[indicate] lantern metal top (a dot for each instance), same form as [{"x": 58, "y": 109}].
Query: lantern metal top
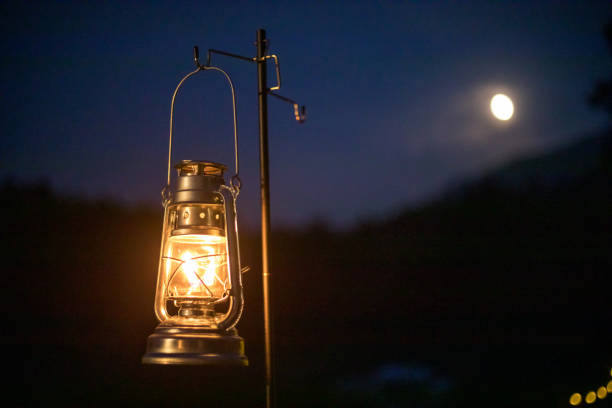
[
  {"x": 199, "y": 168},
  {"x": 197, "y": 181}
]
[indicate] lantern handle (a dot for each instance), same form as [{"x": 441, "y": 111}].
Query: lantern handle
[{"x": 235, "y": 179}]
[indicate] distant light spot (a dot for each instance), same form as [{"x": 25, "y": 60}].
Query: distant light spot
[
  {"x": 609, "y": 387},
  {"x": 575, "y": 399},
  {"x": 502, "y": 107},
  {"x": 590, "y": 397}
]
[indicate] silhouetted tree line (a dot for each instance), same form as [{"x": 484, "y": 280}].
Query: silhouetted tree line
[
  {"x": 491, "y": 266},
  {"x": 601, "y": 96}
]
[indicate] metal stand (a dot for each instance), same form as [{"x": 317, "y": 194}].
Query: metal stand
[
  {"x": 264, "y": 187},
  {"x": 264, "y": 180}
]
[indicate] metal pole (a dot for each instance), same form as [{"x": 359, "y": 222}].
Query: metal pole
[{"x": 264, "y": 184}]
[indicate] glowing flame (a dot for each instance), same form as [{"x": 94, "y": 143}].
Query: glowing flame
[
  {"x": 190, "y": 269},
  {"x": 196, "y": 266}
]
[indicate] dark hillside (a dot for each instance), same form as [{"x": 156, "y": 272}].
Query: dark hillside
[{"x": 498, "y": 295}]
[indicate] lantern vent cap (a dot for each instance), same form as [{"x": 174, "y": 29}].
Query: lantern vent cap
[{"x": 199, "y": 167}]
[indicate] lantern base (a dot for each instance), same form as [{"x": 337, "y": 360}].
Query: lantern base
[{"x": 185, "y": 345}]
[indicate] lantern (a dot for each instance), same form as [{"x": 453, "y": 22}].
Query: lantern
[{"x": 199, "y": 298}]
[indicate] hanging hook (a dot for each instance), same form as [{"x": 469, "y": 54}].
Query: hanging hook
[
  {"x": 196, "y": 57},
  {"x": 298, "y": 111}
]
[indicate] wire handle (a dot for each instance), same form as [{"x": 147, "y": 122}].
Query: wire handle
[{"x": 235, "y": 179}]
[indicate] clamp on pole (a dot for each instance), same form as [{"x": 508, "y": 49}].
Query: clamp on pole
[{"x": 299, "y": 112}]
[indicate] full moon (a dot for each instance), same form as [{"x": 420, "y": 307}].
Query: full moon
[{"x": 502, "y": 107}]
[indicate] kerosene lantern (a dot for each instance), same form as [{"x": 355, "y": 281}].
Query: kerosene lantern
[{"x": 199, "y": 296}]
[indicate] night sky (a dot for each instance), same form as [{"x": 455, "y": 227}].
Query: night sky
[{"x": 397, "y": 95}]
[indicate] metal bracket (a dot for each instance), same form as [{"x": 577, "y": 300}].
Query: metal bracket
[
  {"x": 299, "y": 112},
  {"x": 277, "y": 68}
]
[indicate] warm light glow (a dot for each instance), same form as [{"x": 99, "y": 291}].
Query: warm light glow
[
  {"x": 602, "y": 392},
  {"x": 196, "y": 267},
  {"x": 575, "y": 399},
  {"x": 502, "y": 107},
  {"x": 609, "y": 387},
  {"x": 190, "y": 268},
  {"x": 590, "y": 397},
  {"x": 210, "y": 275}
]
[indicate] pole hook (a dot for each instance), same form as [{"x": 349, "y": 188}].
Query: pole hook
[
  {"x": 196, "y": 57},
  {"x": 298, "y": 111}
]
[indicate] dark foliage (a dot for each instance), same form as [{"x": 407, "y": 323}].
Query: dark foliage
[
  {"x": 601, "y": 96},
  {"x": 502, "y": 293}
]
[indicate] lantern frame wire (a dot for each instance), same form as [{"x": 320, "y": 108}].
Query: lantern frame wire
[
  {"x": 234, "y": 295},
  {"x": 182, "y": 262}
]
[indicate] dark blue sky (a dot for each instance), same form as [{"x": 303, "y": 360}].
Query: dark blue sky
[{"x": 397, "y": 95}]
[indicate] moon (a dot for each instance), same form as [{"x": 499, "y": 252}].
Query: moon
[{"x": 502, "y": 107}]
